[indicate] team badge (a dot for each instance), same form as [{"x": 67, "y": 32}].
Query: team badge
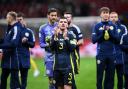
[
  {"x": 101, "y": 28},
  {"x": 27, "y": 34},
  {"x": 111, "y": 27},
  {"x": 98, "y": 61},
  {"x": 119, "y": 30}
]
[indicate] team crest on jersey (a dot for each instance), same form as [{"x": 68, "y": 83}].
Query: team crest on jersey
[
  {"x": 111, "y": 27},
  {"x": 119, "y": 30},
  {"x": 101, "y": 28},
  {"x": 98, "y": 61},
  {"x": 9, "y": 32},
  {"x": 27, "y": 34}
]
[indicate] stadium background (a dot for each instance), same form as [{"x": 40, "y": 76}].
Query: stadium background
[{"x": 85, "y": 14}]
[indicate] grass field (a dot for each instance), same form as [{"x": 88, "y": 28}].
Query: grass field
[{"x": 85, "y": 80}]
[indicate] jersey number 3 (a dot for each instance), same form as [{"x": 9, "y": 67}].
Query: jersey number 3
[{"x": 61, "y": 46}]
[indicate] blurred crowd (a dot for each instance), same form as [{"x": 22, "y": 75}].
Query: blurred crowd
[{"x": 38, "y": 8}]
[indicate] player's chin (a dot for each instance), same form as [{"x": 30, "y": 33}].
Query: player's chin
[
  {"x": 53, "y": 20},
  {"x": 63, "y": 28}
]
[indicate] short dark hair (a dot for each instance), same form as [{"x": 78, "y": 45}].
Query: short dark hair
[
  {"x": 20, "y": 14},
  {"x": 51, "y": 10},
  {"x": 106, "y": 9},
  {"x": 113, "y": 12},
  {"x": 13, "y": 14},
  {"x": 67, "y": 12}
]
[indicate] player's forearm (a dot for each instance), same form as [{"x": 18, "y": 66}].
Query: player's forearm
[
  {"x": 124, "y": 47},
  {"x": 97, "y": 38},
  {"x": 7, "y": 46},
  {"x": 29, "y": 44},
  {"x": 43, "y": 45},
  {"x": 114, "y": 36},
  {"x": 71, "y": 44},
  {"x": 80, "y": 42}
]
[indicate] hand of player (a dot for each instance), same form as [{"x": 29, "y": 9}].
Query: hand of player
[
  {"x": 106, "y": 27},
  {"x": 56, "y": 31},
  {"x": 24, "y": 40},
  {"x": 65, "y": 34}
]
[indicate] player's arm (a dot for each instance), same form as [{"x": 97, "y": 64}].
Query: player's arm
[
  {"x": 53, "y": 42},
  {"x": 125, "y": 33},
  {"x": 42, "y": 42},
  {"x": 14, "y": 40},
  {"x": 123, "y": 45},
  {"x": 70, "y": 41},
  {"x": 30, "y": 42},
  {"x": 97, "y": 34},
  {"x": 113, "y": 33},
  {"x": 80, "y": 36}
]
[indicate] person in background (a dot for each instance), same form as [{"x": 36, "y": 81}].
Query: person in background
[
  {"x": 105, "y": 35},
  {"x": 45, "y": 33},
  {"x": 121, "y": 30}
]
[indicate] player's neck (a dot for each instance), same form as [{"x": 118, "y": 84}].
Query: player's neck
[
  {"x": 13, "y": 22},
  {"x": 51, "y": 23},
  {"x": 104, "y": 20}
]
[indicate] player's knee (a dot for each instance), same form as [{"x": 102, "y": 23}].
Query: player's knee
[{"x": 51, "y": 81}]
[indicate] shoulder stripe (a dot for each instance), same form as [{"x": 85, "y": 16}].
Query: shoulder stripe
[
  {"x": 42, "y": 26},
  {"x": 77, "y": 28},
  {"x": 15, "y": 32},
  {"x": 32, "y": 34}
]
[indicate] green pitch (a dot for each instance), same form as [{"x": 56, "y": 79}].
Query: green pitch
[{"x": 85, "y": 80}]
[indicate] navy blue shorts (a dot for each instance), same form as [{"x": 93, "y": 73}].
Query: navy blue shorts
[{"x": 63, "y": 77}]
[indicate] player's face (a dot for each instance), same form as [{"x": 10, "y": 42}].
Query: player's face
[
  {"x": 114, "y": 17},
  {"x": 20, "y": 19},
  {"x": 9, "y": 18},
  {"x": 69, "y": 17},
  {"x": 104, "y": 15},
  {"x": 63, "y": 24},
  {"x": 52, "y": 17}
]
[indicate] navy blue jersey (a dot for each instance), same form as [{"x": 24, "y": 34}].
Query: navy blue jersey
[
  {"x": 124, "y": 47},
  {"x": 63, "y": 49},
  {"x": 121, "y": 30},
  {"x": 23, "y": 50},
  {"x": 77, "y": 32},
  {"x": 11, "y": 42},
  {"x": 104, "y": 38},
  {"x": 124, "y": 44}
]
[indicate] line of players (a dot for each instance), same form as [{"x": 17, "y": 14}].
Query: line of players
[
  {"x": 112, "y": 50},
  {"x": 15, "y": 52},
  {"x": 61, "y": 40}
]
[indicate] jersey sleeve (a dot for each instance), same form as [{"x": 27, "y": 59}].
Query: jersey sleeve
[
  {"x": 78, "y": 33},
  {"x": 31, "y": 39},
  {"x": 42, "y": 38},
  {"x": 71, "y": 42},
  {"x": 97, "y": 34},
  {"x": 14, "y": 40}
]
